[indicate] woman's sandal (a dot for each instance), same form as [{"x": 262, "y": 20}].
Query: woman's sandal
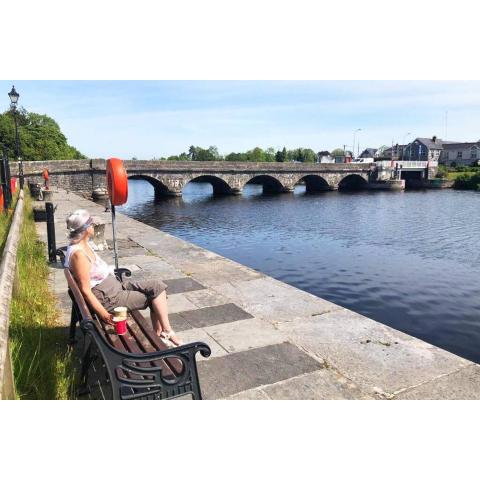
[{"x": 166, "y": 336}]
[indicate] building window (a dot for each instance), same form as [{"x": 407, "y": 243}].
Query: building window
[
  {"x": 459, "y": 155},
  {"x": 473, "y": 153}
]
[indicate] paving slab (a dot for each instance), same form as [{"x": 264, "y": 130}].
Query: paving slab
[
  {"x": 386, "y": 367},
  {"x": 181, "y": 285},
  {"x": 323, "y": 384},
  {"x": 200, "y": 335},
  {"x": 204, "y": 317},
  {"x": 206, "y": 298},
  {"x": 339, "y": 326},
  {"x": 252, "y": 394},
  {"x": 178, "y": 323},
  {"x": 459, "y": 385},
  {"x": 234, "y": 373},
  {"x": 269, "y": 299},
  {"x": 179, "y": 303},
  {"x": 218, "y": 272},
  {"x": 246, "y": 334}
]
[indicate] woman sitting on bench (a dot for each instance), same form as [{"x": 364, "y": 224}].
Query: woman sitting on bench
[{"x": 103, "y": 291}]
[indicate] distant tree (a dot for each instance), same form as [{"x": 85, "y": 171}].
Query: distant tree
[
  {"x": 281, "y": 155},
  {"x": 192, "y": 153},
  {"x": 40, "y": 137},
  {"x": 213, "y": 150},
  {"x": 270, "y": 155},
  {"x": 256, "y": 155},
  {"x": 309, "y": 156},
  {"x": 338, "y": 152},
  {"x": 236, "y": 157},
  {"x": 205, "y": 155}
]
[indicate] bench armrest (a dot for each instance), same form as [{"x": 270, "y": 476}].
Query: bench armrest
[{"x": 120, "y": 272}]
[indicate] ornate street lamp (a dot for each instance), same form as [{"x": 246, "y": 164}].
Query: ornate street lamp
[{"x": 14, "y": 96}]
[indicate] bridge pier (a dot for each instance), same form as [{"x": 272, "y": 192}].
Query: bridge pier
[{"x": 161, "y": 193}]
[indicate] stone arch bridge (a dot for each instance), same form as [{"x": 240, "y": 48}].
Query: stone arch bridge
[{"x": 170, "y": 178}]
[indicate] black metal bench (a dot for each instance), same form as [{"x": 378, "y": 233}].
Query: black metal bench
[{"x": 137, "y": 365}]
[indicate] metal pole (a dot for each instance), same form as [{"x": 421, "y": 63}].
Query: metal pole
[
  {"x": 114, "y": 236},
  {"x": 17, "y": 148},
  {"x": 52, "y": 246}
]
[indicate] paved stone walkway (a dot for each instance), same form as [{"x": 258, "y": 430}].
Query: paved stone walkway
[{"x": 270, "y": 340}]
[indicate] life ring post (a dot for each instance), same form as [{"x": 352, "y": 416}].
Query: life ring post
[{"x": 117, "y": 184}]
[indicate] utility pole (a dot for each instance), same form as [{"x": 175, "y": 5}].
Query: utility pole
[{"x": 446, "y": 124}]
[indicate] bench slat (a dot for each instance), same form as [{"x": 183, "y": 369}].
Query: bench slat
[{"x": 174, "y": 364}]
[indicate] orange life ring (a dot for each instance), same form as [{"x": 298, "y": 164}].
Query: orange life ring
[{"x": 117, "y": 181}]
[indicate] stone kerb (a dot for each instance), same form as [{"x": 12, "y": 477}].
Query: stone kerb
[{"x": 7, "y": 278}]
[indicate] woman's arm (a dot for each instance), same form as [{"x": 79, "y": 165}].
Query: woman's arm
[{"x": 80, "y": 268}]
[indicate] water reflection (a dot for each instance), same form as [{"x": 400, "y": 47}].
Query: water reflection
[{"x": 409, "y": 260}]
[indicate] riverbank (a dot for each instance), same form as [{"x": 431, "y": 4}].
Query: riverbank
[{"x": 269, "y": 339}]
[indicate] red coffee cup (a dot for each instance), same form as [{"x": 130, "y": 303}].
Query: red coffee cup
[{"x": 120, "y": 320}]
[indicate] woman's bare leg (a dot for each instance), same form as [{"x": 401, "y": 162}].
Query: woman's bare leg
[{"x": 159, "y": 315}]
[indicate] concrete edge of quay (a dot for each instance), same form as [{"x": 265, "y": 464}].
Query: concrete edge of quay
[{"x": 271, "y": 340}]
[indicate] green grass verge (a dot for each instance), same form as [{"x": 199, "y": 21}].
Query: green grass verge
[{"x": 43, "y": 366}]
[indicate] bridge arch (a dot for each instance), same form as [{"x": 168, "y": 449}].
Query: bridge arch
[
  {"x": 269, "y": 182},
  {"x": 314, "y": 183},
  {"x": 219, "y": 185},
  {"x": 160, "y": 188},
  {"x": 353, "y": 181}
]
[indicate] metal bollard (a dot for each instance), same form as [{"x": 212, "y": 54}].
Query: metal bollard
[{"x": 52, "y": 246}]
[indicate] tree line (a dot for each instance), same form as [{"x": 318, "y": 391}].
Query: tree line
[
  {"x": 257, "y": 154},
  {"x": 40, "y": 137}
]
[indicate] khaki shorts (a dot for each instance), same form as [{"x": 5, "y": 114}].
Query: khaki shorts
[{"x": 134, "y": 295}]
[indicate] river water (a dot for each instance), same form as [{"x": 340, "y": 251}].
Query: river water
[{"x": 410, "y": 260}]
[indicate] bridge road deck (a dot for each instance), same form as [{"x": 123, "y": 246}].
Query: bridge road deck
[{"x": 270, "y": 340}]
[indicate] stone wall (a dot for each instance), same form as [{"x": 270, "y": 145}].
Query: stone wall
[{"x": 75, "y": 175}]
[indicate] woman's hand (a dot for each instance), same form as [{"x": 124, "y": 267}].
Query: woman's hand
[{"x": 107, "y": 318}]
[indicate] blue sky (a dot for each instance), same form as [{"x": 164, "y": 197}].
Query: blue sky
[{"x": 150, "y": 119}]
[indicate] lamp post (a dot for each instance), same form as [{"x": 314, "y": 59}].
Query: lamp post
[
  {"x": 14, "y": 96},
  {"x": 404, "y": 145},
  {"x": 353, "y": 145}
]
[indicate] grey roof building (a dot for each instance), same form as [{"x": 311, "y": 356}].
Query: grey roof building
[
  {"x": 460, "y": 153},
  {"x": 369, "y": 153}
]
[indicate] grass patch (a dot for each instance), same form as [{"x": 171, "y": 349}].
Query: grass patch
[
  {"x": 43, "y": 366},
  {"x": 5, "y": 221},
  {"x": 455, "y": 175}
]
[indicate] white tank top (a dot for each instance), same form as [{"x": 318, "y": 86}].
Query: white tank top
[{"x": 99, "y": 269}]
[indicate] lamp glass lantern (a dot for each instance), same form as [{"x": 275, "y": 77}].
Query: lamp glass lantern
[{"x": 14, "y": 96}]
